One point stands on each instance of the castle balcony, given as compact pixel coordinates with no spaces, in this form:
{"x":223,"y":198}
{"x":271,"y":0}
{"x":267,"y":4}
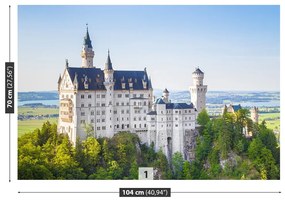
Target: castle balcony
{"x":65,"y":110}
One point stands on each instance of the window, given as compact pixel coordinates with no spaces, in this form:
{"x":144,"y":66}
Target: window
{"x":118,"y":126}
{"x":144,"y":103}
{"x":92,"y":120}
{"x":145,"y":125}
{"x":82,"y":105}
{"x":103,"y":120}
{"x":66,"y":96}
{"x":135,"y":118}
{"x":128,"y":111}
{"x":135,"y":126}
{"x":176,"y":112}
{"x":82,"y":113}
{"x":185,"y":111}
{"x":89,"y":96}
{"x":126,"y":95}
{"x":98,"y":96}
{"x":176,"y":125}
{"x":98,"y":104}
{"x":98,"y":112}
{"x":122,"y":118}
{"x":103,"y":127}
{"x":127,"y":104}
{"x":92,"y":112}
{"x":122,"y":104}
{"x":98,"y":120}
{"x":119,"y":95}
{"x":117,"y":104}
{"x":140,"y":118}
{"x":82,"y":121}
{"x":152,"y":119}
{"x":161,"y":119}
{"x":82,"y":96}
{"x":103,"y":96}
{"x":135,"y":103}
{"x":144,"y":118}
{"x":98,"y":128}
{"x":176,"y":119}
{"x":103,"y":112}
{"x":122,"y":111}
{"x":128,"y":125}
{"x":135,"y":95}
{"x":115,"y":111}
{"x":103,"y":105}
{"x":89,"y":105}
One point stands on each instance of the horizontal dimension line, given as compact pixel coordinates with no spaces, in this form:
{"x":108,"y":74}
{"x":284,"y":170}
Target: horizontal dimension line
{"x":226,"y":192}
{"x":67,"y":192}
{"x":174,"y":192}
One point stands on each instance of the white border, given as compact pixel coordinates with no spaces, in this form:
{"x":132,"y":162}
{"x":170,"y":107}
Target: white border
{"x":11,"y":189}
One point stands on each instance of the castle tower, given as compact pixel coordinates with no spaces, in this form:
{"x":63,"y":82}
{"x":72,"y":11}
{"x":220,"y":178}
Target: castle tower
{"x":198,"y":90}
{"x":87,"y":53}
{"x":165,"y":95}
{"x":254,"y":114}
{"x":109,"y":85}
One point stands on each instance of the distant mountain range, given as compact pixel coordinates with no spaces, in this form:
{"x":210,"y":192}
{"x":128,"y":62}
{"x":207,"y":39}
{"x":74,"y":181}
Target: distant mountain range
{"x":213,"y":97}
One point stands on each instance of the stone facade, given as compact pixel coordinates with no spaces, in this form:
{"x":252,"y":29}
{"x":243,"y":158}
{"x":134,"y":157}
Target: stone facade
{"x":111,"y":101}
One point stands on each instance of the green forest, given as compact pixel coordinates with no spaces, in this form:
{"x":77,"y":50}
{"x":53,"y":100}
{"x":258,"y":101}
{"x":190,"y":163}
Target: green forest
{"x":222,"y":152}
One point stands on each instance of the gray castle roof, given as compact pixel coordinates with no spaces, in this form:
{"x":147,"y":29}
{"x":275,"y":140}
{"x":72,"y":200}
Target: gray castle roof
{"x":198,"y":71}
{"x":174,"y":105}
{"x":94,"y":77}
{"x":166,"y":91}
{"x":179,"y":106}
{"x":108,"y":64}
{"x":87,"y":40}
{"x":236,"y":107}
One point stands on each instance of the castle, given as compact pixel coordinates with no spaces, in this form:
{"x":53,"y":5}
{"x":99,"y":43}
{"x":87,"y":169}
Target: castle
{"x":112,"y":101}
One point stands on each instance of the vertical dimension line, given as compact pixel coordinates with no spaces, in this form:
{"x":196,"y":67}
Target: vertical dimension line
{"x":9,"y":114}
{"x":9,"y":147}
{"x":9,"y":33}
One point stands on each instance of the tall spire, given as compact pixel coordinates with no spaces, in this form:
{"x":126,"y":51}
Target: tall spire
{"x":108,"y":64}
{"x":87,"y":40}
{"x":87,"y":53}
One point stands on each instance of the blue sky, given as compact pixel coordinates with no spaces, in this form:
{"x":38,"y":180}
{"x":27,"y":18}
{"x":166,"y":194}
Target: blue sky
{"x":238,"y":47}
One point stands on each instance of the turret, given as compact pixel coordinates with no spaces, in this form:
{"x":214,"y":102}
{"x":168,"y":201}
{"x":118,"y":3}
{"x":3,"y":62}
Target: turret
{"x":87,"y":53}
{"x":254,"y":114}
{"x":108,"y":70}
{"x":109,"y":85}
{"x":198,"y":77}
{"x":165,"y":95}
{"x":198,"y":90}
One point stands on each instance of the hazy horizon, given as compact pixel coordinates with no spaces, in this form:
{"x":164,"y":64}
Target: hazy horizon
{"x":172,"y":91}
